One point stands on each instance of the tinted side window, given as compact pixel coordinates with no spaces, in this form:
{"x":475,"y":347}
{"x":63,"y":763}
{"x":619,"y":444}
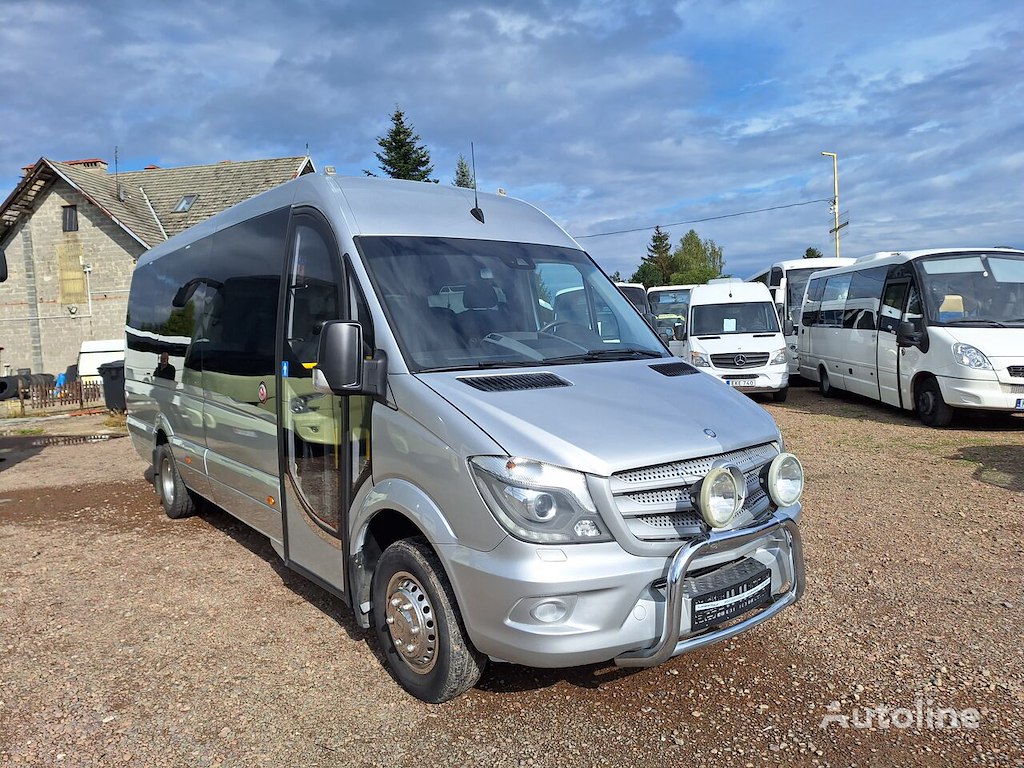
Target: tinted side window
{"x":863,"y":299}
{"x":163,"y":306}
{"x":812,"y":304}
{"x":833,"y":300}
{"x":242,"y":284}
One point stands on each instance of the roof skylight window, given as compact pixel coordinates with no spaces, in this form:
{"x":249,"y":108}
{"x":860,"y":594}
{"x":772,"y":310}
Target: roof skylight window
{"x":185,"y":203}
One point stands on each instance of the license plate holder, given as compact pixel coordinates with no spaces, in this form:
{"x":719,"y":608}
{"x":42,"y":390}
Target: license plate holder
{"x":721,"y":605}
{"x":1020,"y":404}
{"x":741,"y":382}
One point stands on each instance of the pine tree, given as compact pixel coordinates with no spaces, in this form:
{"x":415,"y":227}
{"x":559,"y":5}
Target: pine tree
{"x":813,"y":253}
{"x":464,"y":174}
{"x":402,"y":156}
{"x":656,"y":267}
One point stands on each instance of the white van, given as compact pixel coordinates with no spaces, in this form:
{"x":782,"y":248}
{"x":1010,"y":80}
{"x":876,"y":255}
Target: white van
{"x":93,"y":354}
{"x":929,"y":330}
{"x":787,"y":280}
{"x":519,"y":474}
{"x":733,"y":333}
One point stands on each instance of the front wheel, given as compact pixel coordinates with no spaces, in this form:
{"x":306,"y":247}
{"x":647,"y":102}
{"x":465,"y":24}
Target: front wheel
{"x":931,"y":408}
{"x":418,"y":625}
{"x":781,"y":395}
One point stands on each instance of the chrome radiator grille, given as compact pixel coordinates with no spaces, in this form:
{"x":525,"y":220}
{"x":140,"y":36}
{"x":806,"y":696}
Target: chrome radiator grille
{"x":655,"y":501}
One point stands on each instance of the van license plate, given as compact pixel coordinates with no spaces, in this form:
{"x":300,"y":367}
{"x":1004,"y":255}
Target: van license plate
{"x":723,"y":604}
{"x":741,"y":382}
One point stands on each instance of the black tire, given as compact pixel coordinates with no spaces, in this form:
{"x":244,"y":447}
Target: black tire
{"x":931,"y":408}
{"x":174,"y":496}
{"x":824,"y":385}
{"x":781,"y":395}
{"x":414,"y":607}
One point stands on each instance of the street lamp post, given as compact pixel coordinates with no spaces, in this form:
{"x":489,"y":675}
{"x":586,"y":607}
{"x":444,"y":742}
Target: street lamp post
{"x":835,"y":195}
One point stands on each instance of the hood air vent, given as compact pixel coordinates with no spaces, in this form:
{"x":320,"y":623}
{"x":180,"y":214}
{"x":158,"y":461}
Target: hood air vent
{"x":515,"y":382}
{"x":674,"y":369}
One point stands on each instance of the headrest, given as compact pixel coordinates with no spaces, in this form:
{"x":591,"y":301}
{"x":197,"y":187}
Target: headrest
{"x":479,"y":296}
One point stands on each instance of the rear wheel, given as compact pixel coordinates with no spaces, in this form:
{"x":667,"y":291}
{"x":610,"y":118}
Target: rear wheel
{"x":174,"y":496}
{"x":932,"y":409}
{"x":418,"y":625}
{"x":781,"y":395}
{"x":824,"y":385}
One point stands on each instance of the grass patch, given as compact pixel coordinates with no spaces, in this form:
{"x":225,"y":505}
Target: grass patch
{"x":118,"y":421}
{"x":30,"y":431}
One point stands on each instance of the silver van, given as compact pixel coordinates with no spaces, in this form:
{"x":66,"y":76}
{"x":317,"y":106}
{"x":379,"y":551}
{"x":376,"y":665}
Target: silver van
{"x":501,"y":474}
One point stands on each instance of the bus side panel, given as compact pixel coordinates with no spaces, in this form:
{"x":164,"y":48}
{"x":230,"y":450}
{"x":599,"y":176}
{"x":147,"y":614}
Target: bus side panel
{"x":237,"y":341}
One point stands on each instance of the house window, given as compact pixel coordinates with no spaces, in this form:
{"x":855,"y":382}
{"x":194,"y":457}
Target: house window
{"x":70,"y":218}
{"x":185,"y":203}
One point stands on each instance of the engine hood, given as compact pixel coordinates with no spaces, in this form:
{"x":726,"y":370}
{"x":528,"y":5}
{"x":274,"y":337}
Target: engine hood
{"x":611,"y":416}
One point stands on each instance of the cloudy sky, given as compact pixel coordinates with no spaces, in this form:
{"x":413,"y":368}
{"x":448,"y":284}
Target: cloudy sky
{"x":607,"y":115}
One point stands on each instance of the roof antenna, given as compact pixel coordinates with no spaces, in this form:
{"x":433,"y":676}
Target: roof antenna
{"x":117,"y":184}
{"x":478,"y":214}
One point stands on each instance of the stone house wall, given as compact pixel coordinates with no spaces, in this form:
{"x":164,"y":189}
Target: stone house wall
{"x":38,"y":330}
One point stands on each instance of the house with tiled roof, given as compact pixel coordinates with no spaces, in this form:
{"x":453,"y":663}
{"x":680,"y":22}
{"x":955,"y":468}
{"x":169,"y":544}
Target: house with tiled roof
{"x":72,"y":232}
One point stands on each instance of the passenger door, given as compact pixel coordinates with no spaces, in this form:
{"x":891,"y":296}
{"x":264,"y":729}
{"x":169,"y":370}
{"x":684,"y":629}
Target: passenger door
{"x":887,"y":356}
{"x":324,"y":438}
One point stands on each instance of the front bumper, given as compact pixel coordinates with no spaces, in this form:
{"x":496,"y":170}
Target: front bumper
{"x":669,"y":644}
{"x":989,"y":393}
{"x":752,"y":382}
{"x":618,"y":606}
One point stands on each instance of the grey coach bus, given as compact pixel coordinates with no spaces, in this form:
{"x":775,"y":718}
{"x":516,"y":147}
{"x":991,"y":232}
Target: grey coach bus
{"x":440,"y":410}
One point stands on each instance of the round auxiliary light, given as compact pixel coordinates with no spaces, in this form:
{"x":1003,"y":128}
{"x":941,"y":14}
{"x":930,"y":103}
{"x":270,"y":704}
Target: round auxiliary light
{"x":722,"y":493}
{"x":785,"y":480}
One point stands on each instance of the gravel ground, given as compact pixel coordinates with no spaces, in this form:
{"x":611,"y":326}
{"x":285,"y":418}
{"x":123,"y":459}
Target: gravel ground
{"x":128,"y":638}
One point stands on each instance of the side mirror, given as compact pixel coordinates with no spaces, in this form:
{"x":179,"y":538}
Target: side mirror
{"x":679,"y":332}
{"x":907,"y":335}
{"x":788,"y":329}
{"x":341,"y":368}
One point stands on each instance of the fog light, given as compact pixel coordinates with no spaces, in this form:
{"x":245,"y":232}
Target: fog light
{"x":587,"y":529}
{"x":721,"y":495}
{"x":785,"y":480}
{"x":549,"y":611}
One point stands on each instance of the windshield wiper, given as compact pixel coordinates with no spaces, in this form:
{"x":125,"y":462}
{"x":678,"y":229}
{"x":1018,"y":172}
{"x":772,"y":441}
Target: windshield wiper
{"x":629,"y":353}
{"x":976,"y":321}
{"x":483,"y":365}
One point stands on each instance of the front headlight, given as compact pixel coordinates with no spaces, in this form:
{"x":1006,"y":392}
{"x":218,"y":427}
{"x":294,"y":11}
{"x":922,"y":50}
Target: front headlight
{"x":971,"y":357}
{"x":538,"y":502}
{"x":720,"y":495}
{"x":778,"y":357}
{"x":784,"y":480}
{"x":699,"y":359}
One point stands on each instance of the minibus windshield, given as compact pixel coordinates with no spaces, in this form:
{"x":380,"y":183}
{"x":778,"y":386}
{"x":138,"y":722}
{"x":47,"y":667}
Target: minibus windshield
{"x":460,"y":304}
{"x":742,"y":317}
{"x":974,"y":289}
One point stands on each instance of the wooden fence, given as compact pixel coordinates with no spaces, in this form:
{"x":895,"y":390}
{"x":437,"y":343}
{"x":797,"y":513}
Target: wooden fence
{"x":45,"y":398}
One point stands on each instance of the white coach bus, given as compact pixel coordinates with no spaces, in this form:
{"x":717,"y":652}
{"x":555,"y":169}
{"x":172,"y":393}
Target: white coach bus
{"x":930,"y":331}
{"x":787,"y":280}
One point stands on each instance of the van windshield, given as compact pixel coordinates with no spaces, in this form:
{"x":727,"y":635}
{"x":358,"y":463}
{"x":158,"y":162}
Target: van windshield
{"x":974,"y":289}
{"x":742,"y":317}
{"x":460,"y":304}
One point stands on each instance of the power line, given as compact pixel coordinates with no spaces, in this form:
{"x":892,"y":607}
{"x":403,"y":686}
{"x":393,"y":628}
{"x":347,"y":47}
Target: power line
{"x":709,"y":218}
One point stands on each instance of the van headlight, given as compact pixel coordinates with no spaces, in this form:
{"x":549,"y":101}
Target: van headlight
{"x":538,"y":502}
{"x":971,"y":357}
{"x":699,"y":360}
{"x":783,"y":481}
{"x":778,"y":357}
{"x":720,"y":494}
